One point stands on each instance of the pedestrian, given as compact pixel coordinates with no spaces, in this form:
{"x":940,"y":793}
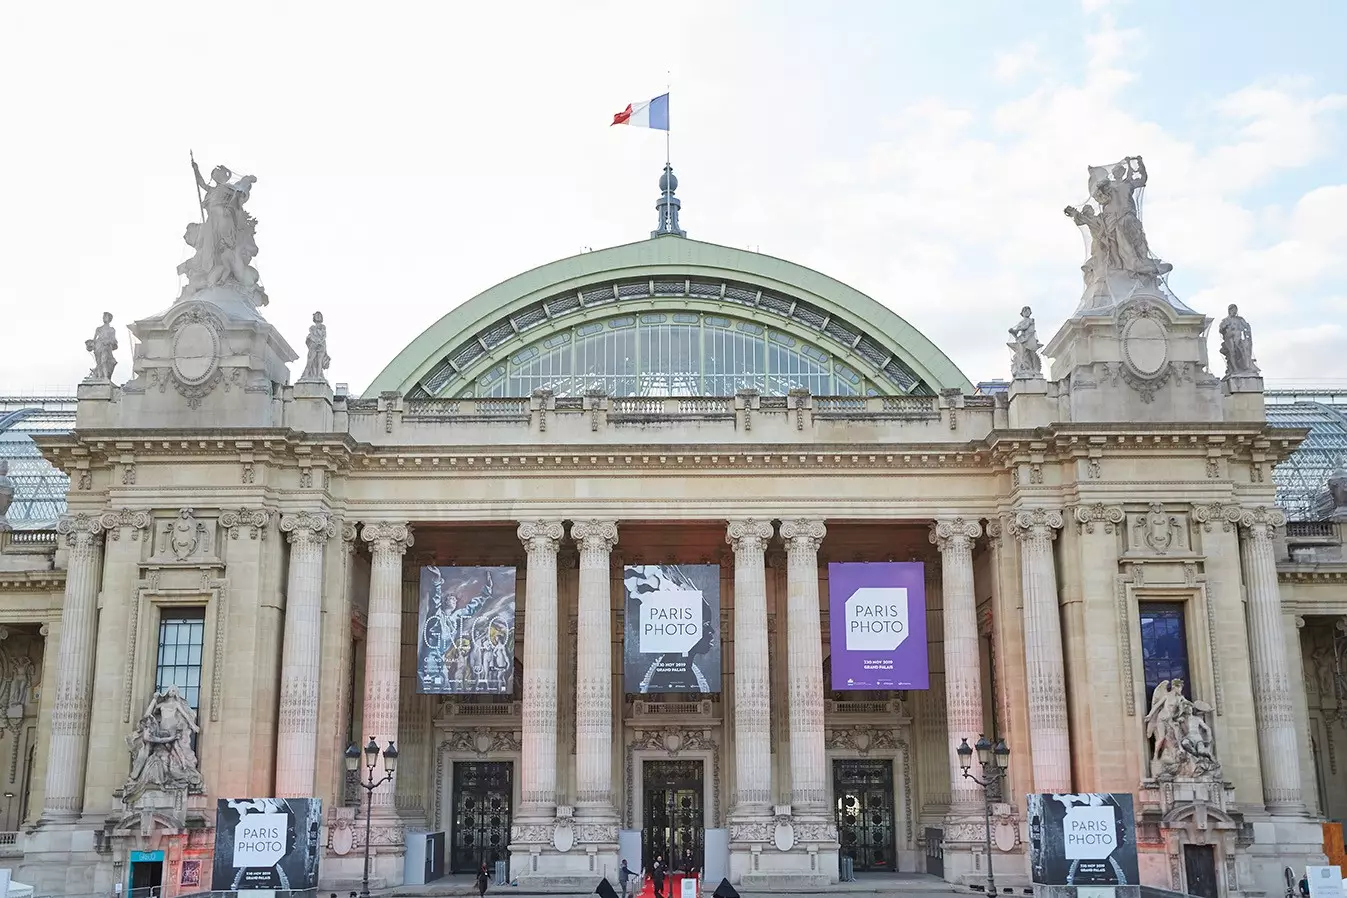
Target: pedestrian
{"x":481,"y":881}
{"x":657,"y":876}
{"x":624,"y":879}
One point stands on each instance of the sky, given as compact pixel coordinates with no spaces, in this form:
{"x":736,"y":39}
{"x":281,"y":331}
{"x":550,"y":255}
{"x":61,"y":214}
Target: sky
{"x":411,"y":155}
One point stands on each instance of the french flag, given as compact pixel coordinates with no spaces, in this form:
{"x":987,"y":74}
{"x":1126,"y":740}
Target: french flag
{"x":654,"y":114}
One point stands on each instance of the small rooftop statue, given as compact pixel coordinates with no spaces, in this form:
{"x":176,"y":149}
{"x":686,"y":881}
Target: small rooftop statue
{"x":318,"y":359}
{"x":1025,"y":361}
{"x":224,"y":239}
{"x":1237,"y":345}
{"x":103,"y":344}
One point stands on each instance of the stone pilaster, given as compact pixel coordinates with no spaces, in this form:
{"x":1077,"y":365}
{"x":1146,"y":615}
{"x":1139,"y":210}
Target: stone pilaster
{"x":963,"y":669}
{"x":1048,"y":734}
{"x":752,"y":687}
{"x":593,"y":672}
{"x":388,"y":541}
{"x":1272,"y":677}
{"x":69,"y":749}
{"x":538,"y":767}
{"x":301,"y":654}
{"x":804,"y":668}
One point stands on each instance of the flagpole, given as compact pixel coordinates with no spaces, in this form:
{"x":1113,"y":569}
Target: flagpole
{"x":668,"y":131}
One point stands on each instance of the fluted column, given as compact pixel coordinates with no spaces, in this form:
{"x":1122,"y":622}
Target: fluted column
{"x":538,"y":769}
{"x":388,"y":541}
{"x":1048,"y":733}
{"x":593,"y":671}
{"x":804,"y":667}
{"x":69,"y":750}
{"x":301,"y":654}
{"x":1278,"y":750}
{"x":752,"y":687}
{"x":963,"y":668}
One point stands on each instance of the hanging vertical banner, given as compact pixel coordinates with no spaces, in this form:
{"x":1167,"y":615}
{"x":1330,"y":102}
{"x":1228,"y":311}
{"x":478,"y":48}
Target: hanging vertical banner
{"x":877,"y":614}
{"x":466,"y":630}
{"x":671,"y":637}
{"x":1082,"y":840}
{"x":266,"y":844}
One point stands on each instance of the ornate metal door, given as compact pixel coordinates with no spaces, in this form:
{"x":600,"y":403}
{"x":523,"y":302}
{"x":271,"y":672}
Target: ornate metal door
{"x":481,"y":833}
{"x":1199,"y":863}
{"x":674,"y":815}
{"x":863,"y":795}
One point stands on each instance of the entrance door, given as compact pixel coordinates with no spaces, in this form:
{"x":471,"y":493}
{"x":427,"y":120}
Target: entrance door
{"x":863,"y":796}
{"x":1199,"y":863}
{"x":147,"y":879}
{"x":481,"y":833}
{"x":674,"y":817}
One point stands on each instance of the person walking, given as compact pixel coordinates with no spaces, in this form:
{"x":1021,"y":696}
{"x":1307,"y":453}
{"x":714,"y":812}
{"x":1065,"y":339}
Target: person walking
{"x":657,"y":876}
{"x":482,"y":881}
{"x":624,"y":879}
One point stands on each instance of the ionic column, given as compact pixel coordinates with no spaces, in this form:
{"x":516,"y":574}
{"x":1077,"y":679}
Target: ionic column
{"x":593,"y":670}
{"x":301,"y":655}
{"x":804,"y":667}
{"x":1048,"y":733}
{"x":538,"y":767}
{"x":388,"y":541}
{"x":752,"y":686}
{"x":963,"y":668}
{"x":74,"y":683}
{"x":1278,"y":750}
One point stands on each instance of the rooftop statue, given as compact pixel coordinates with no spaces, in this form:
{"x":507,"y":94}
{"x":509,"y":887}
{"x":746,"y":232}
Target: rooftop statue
{"x":223,"y":239}
{"x":1120,"y":260}
{"x":1237,"y":345}
{"x":1025,"y":361}
{"x":102,"y":345}
{"x":318,"y":359}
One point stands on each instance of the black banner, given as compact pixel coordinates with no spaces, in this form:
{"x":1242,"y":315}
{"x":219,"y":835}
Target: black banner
{"x":266,"y":844}
{"x":671,"y":638}
{"x":1083,"y":839}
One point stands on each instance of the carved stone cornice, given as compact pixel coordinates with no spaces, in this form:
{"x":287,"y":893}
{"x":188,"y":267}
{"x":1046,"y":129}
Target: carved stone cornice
{"x":954,"y":533}
{"x":748,"y":535}
{"x":537,"y":535}
{"x":113,"y":522}
{"x":308,"y":527}
{"x":1036,"y":523}
{"x":252,"y":521}
{"x":1088,"y":515}
{"x":803,"y":534}
{"x":594,"y":535}
{"x":387,"y":536}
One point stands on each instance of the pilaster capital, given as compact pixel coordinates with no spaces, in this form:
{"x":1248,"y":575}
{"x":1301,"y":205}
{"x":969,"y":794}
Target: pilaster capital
{"x":1036,"y":523}
{"x":1207,"y":515}
{"x":252,"y":520}
{"x":995,"y":529}
{"x":803,"y":534}
{"x":113,"y":521}
{"x":1260,"y":522}
{"x":748,"y":535}
{"x":953,"y":533}
{"x":541,"y":535}
{"x":79,"y":530}
{"x":1088,"y":515}
{"x":594,"y":534}
{"x":349,"y":532}
{"x":387,"y":536}
{"x":308,"y":527}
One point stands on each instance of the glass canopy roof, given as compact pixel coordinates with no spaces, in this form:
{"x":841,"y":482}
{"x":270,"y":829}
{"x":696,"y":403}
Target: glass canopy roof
{"x":39,"y":489}
{"x":1302,"y":479}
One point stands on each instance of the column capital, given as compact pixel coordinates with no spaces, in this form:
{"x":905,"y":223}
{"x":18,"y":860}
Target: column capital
{"x":1227,"y":515}
{"x":949,"y":533}
{"x":803,"y":534}
{"x":748,"y":534}
{"x":349,"y":533}
{"x":308,"y":527}
{"x":1036,"y":523}
{"x":541,"y":534}
{"x":79,"y":529}
{"x":1088,"y":515}
{"x":254,"y":519}
{"x":594,"y":534}
{"x":387,"y":536}
{"x":113,"y":521}
{"x":1260,"y":522}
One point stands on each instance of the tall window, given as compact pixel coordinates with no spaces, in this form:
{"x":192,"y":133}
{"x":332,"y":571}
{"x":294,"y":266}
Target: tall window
{"x":182,"y":633}
{"x":1164,"y":645}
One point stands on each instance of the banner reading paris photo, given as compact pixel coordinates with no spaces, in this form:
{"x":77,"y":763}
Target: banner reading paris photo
{"x":877,"y":612}
{"x":266,"y":844}
{"x":671,"y":638}
{"x":1085,"y":839}
{"x":465,"y":628}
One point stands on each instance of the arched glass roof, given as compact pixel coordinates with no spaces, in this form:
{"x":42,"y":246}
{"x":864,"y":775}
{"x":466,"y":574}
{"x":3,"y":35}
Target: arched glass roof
{"x":39,"y":489}
{"x":670,"y":316}
{"x":1302,"y":478}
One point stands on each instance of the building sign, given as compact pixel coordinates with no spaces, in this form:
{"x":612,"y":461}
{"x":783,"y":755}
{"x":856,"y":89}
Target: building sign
{"x":877,"y":614}
{"x":266,"y":844}
{"x":466,"y":627}
{"x":1087,"y":839}
{"x":671,"y":638}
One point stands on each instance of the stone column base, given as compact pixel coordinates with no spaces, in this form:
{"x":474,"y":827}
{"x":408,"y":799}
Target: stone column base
{"x":564,"y":855}
{"x":783,"y":853}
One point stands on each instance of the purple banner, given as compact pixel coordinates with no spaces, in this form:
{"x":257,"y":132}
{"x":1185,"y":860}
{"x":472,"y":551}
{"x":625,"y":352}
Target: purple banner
{"x":878,"y":625}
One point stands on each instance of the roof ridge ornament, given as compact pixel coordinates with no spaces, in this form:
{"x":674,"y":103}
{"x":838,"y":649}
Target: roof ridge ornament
{"x":668,"y":205}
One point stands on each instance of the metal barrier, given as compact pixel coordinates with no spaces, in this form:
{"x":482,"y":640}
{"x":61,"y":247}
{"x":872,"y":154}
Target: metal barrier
{"x":848,"y":869}
{"x":502,"y":873}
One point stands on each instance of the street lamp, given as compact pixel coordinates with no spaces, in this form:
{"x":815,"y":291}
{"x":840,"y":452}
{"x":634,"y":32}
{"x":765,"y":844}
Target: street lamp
{"x":369,"y":784}
{"x":994,"y":760}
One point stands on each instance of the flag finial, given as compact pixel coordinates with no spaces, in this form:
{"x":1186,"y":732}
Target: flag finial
{"x":668,"y":205}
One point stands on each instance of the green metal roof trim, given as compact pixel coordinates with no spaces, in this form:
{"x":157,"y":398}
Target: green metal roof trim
{"x":663,"y":257}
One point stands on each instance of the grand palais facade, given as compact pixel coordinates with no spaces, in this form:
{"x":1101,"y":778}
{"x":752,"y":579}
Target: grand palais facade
{"x":233,"y":588}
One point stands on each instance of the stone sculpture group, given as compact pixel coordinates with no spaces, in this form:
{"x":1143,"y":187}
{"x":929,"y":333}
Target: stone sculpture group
{"x":162,"y":757}
{"x":1182,"y":743}
{"x":224,"y":239}
{"x":1120,"y":260}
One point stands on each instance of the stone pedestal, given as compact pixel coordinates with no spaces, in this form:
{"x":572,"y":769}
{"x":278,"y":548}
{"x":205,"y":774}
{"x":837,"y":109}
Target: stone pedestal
{"x":1243,"y":398}
{"x":1029,"y":404}
{"x":311,"y":410}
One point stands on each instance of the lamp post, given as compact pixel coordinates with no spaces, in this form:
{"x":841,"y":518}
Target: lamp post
{"x":369,"y":784}
{"x":993,"y":760}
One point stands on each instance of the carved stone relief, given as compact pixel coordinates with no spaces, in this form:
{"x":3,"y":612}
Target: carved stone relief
{"x":1157,"y":531}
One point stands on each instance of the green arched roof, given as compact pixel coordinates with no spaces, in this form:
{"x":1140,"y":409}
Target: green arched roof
{"x":669,"y":273}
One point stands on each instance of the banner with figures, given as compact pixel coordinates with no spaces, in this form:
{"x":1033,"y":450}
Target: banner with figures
{"x":266,"y":844}
{"x":671,"y":637}
{"x":1084,"y":839}
{"x":465,"y":628}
